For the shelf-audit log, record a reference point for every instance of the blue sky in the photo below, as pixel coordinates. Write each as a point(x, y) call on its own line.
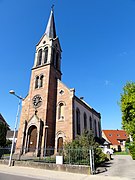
point(98, 43)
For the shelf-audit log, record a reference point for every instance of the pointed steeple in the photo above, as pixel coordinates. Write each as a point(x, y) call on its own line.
point(50, 29)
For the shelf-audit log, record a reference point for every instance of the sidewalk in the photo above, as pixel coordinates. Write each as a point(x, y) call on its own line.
point(42, 174)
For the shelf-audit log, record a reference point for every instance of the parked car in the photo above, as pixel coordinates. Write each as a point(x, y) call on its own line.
point(107, 150)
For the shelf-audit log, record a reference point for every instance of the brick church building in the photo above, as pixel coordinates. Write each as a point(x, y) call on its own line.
point(51, 112)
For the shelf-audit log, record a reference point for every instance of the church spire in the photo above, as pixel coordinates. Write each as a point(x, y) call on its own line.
point(50, 29)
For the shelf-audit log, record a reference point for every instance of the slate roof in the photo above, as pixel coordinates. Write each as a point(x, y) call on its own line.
point(114, 136)
point(10, 134)
point(50, 29)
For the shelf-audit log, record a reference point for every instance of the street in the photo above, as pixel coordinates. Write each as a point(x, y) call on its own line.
point(4, 176)
point(28, 173)
point(120, 166)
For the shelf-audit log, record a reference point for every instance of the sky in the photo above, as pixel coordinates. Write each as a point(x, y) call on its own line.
point(98, 50)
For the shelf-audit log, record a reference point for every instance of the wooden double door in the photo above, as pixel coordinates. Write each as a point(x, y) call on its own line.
point(32, 138)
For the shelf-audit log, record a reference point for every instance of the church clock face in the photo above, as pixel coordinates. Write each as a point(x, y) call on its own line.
point(37, 101)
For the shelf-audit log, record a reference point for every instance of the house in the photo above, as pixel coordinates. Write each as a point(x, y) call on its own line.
point(3, 130)
point(51, 112)
point(2, 120)
point(116, 138)
point(10, 135)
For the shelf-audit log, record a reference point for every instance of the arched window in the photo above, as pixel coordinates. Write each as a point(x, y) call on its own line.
point(46, 55)
point(78, 121)
point(36, 82)
point(41, 81)
point(85, 121)
point(39, 57)
point(60, 144)
point(61, 111)
point(90, 120)
point(95, 124)
point(53, 57)
point(57, 61)
point(99, 128)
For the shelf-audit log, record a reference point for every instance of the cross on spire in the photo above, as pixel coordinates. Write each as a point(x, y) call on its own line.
point(52, 7)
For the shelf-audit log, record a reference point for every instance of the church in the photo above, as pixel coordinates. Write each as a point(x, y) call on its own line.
point(51, 112)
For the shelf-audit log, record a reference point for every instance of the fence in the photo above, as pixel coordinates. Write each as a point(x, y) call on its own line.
point(70, 156)
point(4, 153)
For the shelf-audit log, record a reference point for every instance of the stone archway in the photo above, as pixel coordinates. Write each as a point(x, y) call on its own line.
point(32, 134)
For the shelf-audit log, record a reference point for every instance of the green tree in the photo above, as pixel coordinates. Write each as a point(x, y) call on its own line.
point(81, 146)
point(3, 132)
point(8, 143)
point(127, 104)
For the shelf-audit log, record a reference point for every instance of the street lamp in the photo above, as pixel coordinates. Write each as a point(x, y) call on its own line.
point(16, 121)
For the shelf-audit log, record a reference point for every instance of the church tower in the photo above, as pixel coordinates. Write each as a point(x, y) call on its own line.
point(38, 116)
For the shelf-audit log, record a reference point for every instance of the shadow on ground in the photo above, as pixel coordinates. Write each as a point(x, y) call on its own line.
point(103, 167)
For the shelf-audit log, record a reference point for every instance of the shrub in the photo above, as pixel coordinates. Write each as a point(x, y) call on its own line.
point(77, 151)
point(132, 150)
point(3, 132)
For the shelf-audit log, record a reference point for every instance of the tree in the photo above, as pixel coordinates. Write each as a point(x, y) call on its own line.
point(3, 132)
point(127, 104)
point(8, 143)
point(81, 146)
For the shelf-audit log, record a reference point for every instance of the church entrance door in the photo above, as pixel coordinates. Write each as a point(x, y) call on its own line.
point(32, 138)
point(60, 144)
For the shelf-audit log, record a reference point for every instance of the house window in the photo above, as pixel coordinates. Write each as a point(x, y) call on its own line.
point(36, 82)
point(85, 121)
point(121, 142)
point(78, 121)
point(90, 120)
point(61, 111)
point(46, 55)
point(39, 57)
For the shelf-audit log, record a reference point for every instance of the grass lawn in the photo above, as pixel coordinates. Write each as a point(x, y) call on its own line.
point(121, 153)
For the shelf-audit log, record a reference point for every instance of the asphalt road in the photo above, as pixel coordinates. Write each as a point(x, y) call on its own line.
point(13, 177)
point(121, 166)
point(4, 176)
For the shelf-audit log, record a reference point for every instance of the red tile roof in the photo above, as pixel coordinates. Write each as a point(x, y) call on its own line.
point(115, 135)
